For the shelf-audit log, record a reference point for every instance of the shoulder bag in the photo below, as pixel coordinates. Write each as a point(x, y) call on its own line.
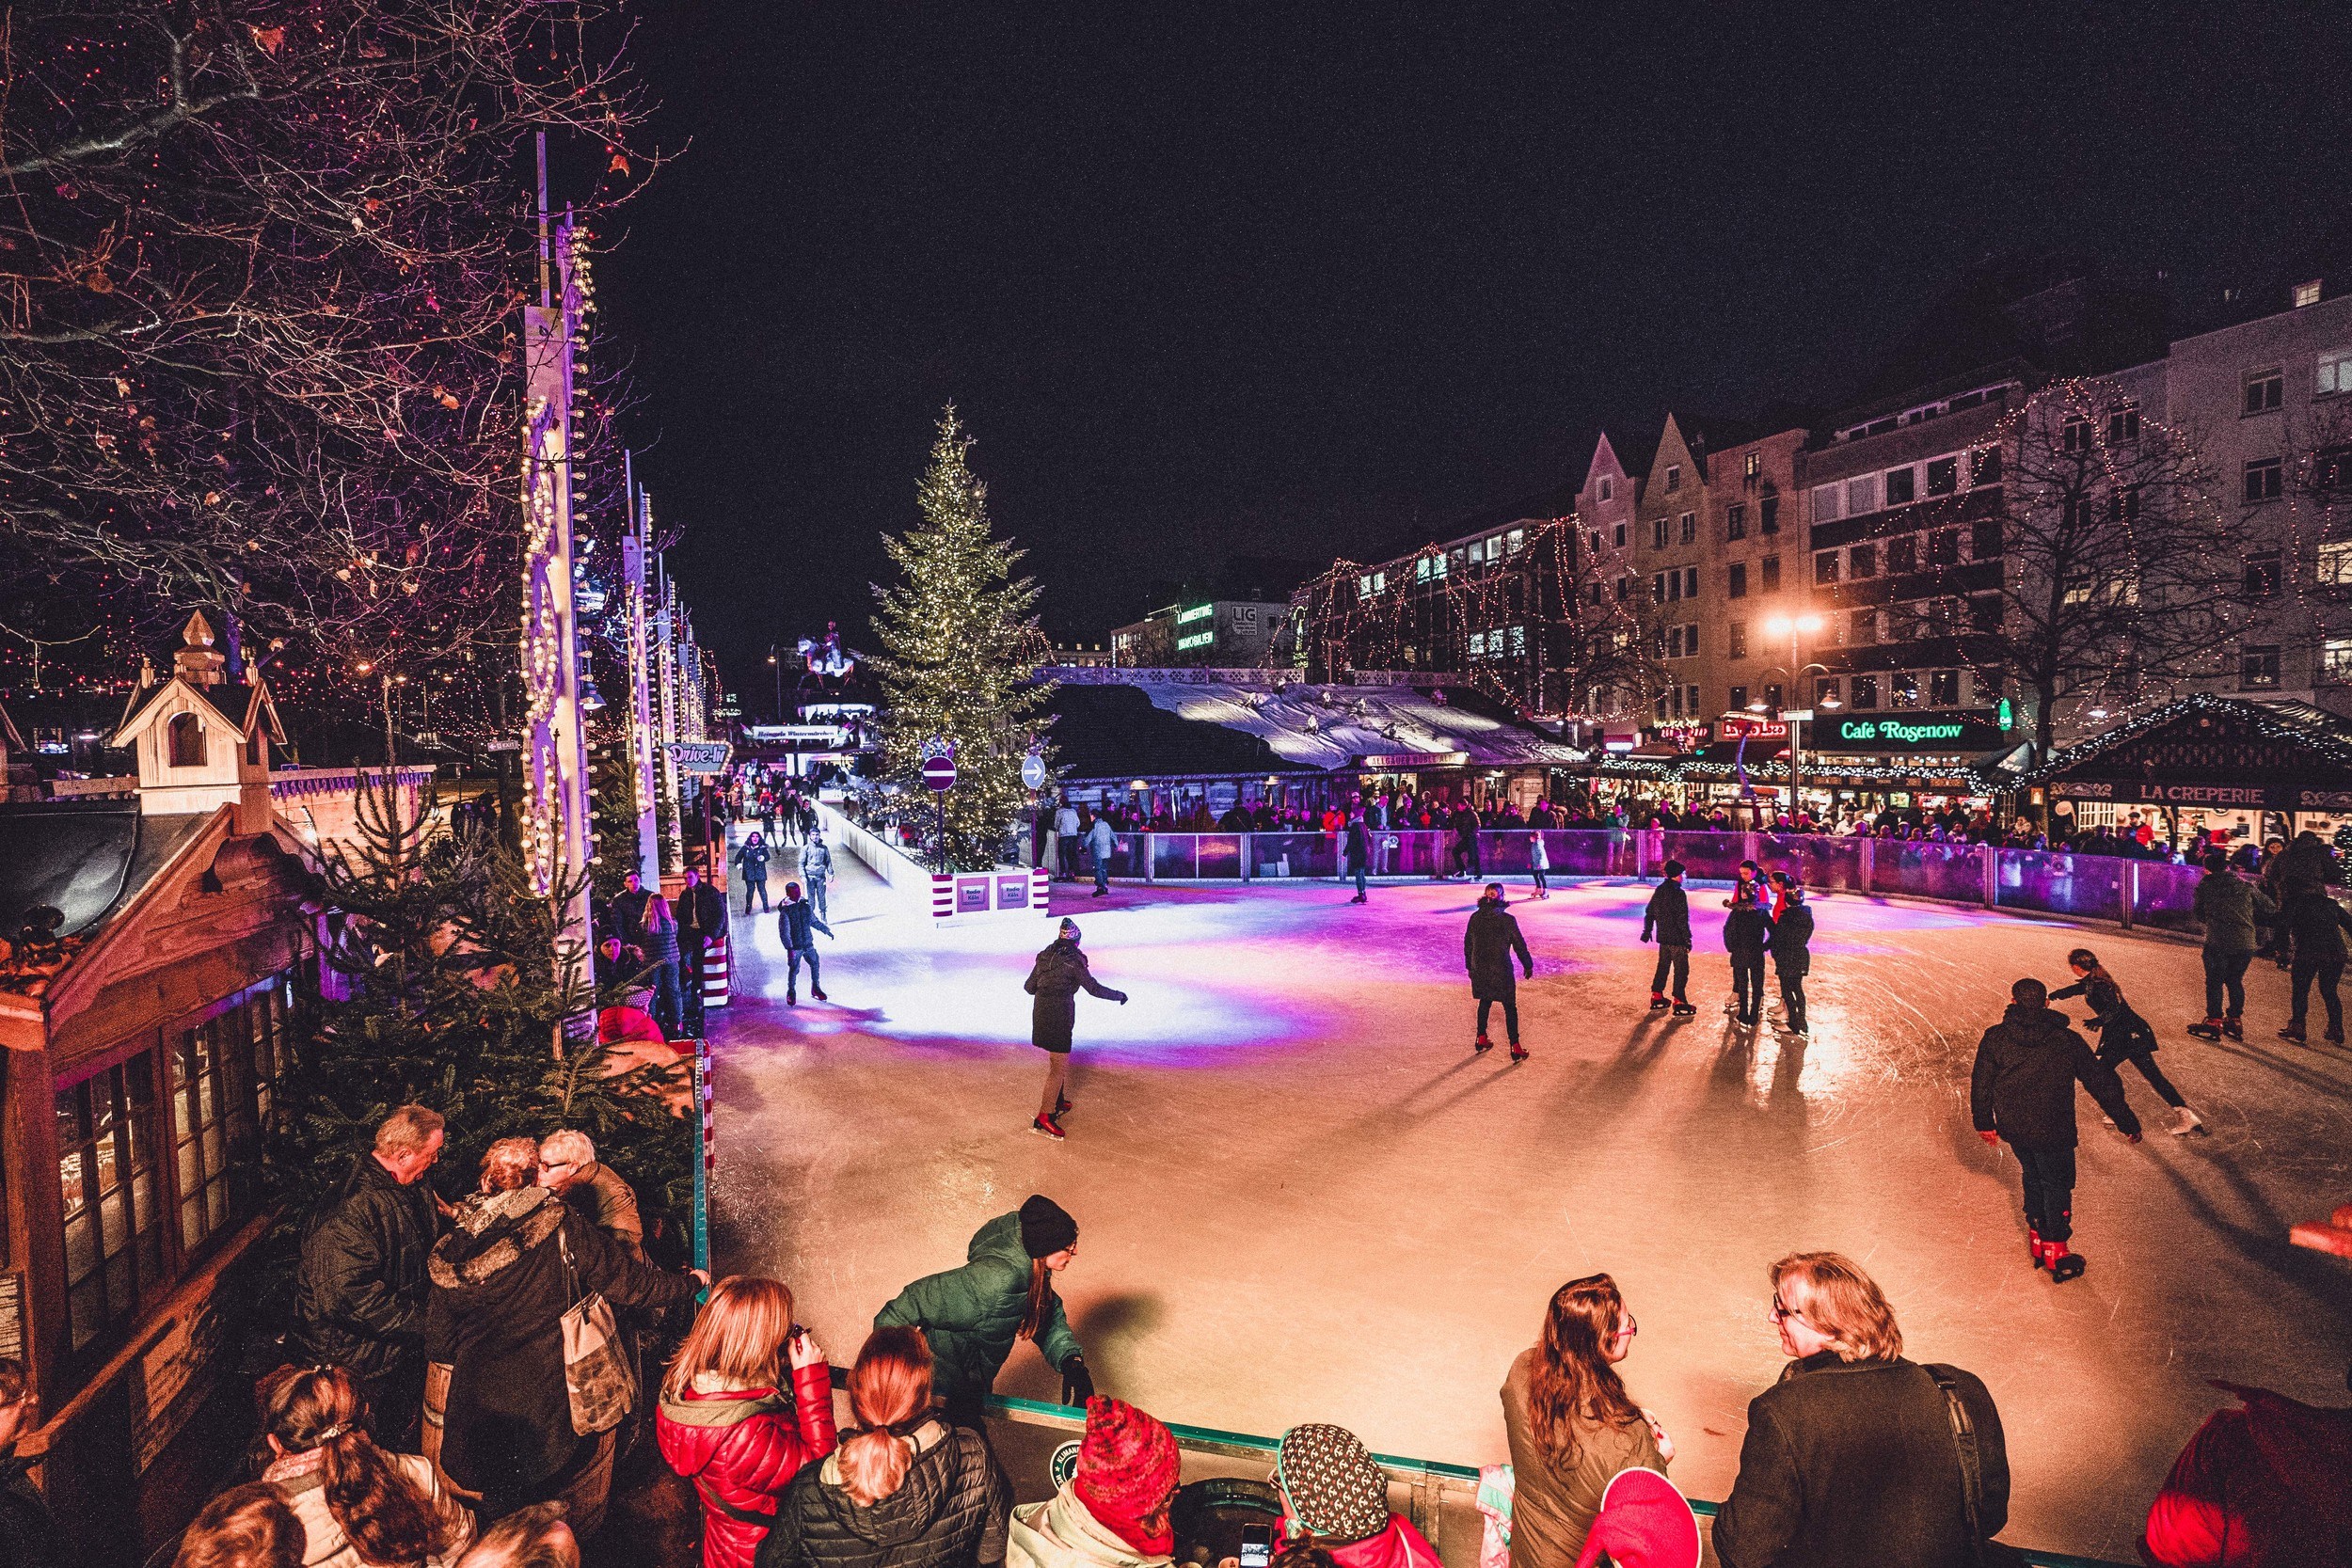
point(1984, 1551)
point(597, 1375)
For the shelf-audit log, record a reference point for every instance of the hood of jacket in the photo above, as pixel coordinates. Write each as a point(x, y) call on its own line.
point(1000, 1241)
point(1060, 1533)
point(492, 1231)
point(698, 1425)
point(2035, 1022)
point(1060, 966)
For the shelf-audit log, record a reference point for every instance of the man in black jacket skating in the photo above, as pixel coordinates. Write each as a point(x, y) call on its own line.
point(1668, 917)
point(2023, 1092)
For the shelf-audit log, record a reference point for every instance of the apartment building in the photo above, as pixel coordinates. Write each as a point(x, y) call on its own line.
point(1225, 633)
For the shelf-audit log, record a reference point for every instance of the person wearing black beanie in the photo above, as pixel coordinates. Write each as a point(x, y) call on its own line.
point(1004, 1292)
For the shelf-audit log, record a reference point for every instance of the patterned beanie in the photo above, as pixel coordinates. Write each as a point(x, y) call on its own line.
point(1127, 1464)
point(1332, 1486)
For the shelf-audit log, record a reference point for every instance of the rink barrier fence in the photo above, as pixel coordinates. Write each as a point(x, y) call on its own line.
point(2129, 893)
point(1423, 1479)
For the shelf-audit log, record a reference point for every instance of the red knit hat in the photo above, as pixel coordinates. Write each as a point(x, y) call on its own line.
point(1644, 1523)
point(1127, 1466)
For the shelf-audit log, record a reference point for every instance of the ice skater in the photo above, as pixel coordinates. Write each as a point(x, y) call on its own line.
point(1358, 843)
point(2123, 1035)
point(1059, 974)
point(1747, 932)
point(1792, 951)
point(971, 1316)
point(816, 870)
point(1489, 943)
point(1100, 841)
point(2022, 1092)
point(1668, 915)
point(2315, 924)
point(1540, 864)
point(752, 855)
point(795, 919)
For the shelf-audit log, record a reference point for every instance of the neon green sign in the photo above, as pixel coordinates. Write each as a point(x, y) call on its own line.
point(1897, 732)
point(1197, 612)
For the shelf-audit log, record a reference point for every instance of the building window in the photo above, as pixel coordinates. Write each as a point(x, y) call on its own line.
point(2335, 563)
point(1690, 529)
point(1944, 547)
point(1690, 582)
point(1617, 535)
point(1865, 691)
point(1825, 691)
point(1363, 586)
point(1736, 521)
point(1863, 560)
point(1690, 700)
point(1903, 555)
point(2258, 666)
point(1691, 641)
point(1943, 476)
point(2124, 423)
point(2335, 372)
point(2265, 390)
point(1901, 486)
point(1593, 594)
point(1740, 577)
point(2307, 293)
point(1825, 566)
point(185, 739)
point(1752, 470)
point(1944, 689)
point(1608, 487)
point(1421, 570)
point(1477, 551)
point(1768, 514)
point(1736, 641)
point(1456, 558)
point(1826, 498)
point(1862, 627)
point(1984, 613)
point(2262, 574)
point(1596, 546)
point(2074, 434)
point(114, 1239)
point(1624, 588)
point(1658, 586)
point(1771, 696)
point(1768, 574)
point(1674, 478)
point(1519, 640)
point(1902, 690)
point(1984, 466)
point(1738, 700)
point(1515, 541)
point(1862, 495)
point(2265, 478)
point(1478, 644)
point(2123, 505)
point(1658, 533)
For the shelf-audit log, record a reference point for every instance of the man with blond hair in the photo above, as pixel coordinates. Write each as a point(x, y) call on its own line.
point(1858, 1455)
point(359, 1287)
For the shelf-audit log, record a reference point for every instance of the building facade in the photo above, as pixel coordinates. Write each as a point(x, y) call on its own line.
point(1224, 633)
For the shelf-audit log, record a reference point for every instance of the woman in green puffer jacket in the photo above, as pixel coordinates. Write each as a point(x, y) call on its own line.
point(1005, 1291)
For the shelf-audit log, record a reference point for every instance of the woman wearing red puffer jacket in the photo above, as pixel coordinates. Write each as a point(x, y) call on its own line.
point(726, 1425)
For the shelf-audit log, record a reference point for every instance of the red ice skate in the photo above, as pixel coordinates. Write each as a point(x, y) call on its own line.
point(2209, 1030)
point(2064, 1265)
point(1519, 1052)
point(1482, 1043)
point(1048, 1126)
point(2034, 1243)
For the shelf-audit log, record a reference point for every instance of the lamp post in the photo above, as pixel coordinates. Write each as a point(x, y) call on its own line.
point(1794, 628)
point(777, 665)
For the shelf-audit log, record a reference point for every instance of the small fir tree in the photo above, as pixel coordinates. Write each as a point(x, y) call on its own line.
point(956, 630)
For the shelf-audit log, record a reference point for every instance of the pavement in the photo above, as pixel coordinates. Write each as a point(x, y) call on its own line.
point(1301, 1198)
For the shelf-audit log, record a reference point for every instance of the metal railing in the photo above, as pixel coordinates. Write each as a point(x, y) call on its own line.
point(2130, 893)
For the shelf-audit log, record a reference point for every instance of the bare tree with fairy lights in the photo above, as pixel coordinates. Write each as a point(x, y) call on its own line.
point(260, 266)
point(2119, 567)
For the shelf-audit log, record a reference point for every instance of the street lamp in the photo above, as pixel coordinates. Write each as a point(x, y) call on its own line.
point(1794, 628)
point(776, 664)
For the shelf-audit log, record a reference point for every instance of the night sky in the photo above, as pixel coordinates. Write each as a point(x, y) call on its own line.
point(1216, 282)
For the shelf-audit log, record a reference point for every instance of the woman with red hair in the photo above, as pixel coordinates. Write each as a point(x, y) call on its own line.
point(729, 1423)
point(904, 1488)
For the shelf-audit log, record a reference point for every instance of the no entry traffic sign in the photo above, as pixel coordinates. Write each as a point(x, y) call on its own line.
point(939, 766)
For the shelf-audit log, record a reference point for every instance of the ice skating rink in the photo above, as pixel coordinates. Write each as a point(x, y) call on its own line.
point(1302, 1198)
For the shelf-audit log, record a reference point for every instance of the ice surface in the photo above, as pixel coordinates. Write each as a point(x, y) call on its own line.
point(1302, 1198)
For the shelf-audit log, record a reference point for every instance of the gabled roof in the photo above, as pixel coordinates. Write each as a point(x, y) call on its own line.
point(1671, 450)
point(2252, 744)
point(85, 859)
point(145, 708)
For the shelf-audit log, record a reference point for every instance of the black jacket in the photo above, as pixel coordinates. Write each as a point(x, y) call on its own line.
point(1489, 943)
point(796, 920)
point(1792, 938)
point(359, 1287)
point(628, 915)
point(1668, 915)
point(2024, 1084)
point(1854, 1465)
point(1358, 844)
point(500, 1291)
point(702, 914)
point(948, 1512)
point(29, 1537)
point(2317, 923)
point(2123, 1032)
point(1747, 932)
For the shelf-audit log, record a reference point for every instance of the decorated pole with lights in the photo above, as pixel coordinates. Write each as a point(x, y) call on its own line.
point(555, 767)
point(641, 741)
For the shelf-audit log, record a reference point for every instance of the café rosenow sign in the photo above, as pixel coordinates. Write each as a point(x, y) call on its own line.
point(1904, 734)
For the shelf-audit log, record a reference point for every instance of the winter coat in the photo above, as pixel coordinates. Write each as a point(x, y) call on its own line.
point(795, 921)
point(739, 1449)
point(2307, 859)
point(1538, 858)
point(1551, 1512)
point(1854, 1465)
point(1747, 932)
point(971, 1315)
point(816, 863)
point(1056, 979)
point(949, 1512)
point(1792, 937)
point(605, 1199)
point(2123, 1032)
point(660, 947)
point(752, 858)
point(2228, 906)
point(1668, 915)
point(1359, 843)
point(500, 1291)
point(1066, 822)
point(302, 1482)
point(1489, 943)
point(1060, 1533)
point(1400, 1545)
point(360, 1289)
point(2318, 924)
point(628, 915)
point(2024, 1084)
point(29, 1536)
point(702, 914)
point(1101, 841)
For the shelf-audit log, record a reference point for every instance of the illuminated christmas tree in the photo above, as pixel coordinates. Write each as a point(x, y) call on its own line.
point(956, 627)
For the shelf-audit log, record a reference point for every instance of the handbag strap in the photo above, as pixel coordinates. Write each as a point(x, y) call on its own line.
point(1971, 1463)
point(571, 1277)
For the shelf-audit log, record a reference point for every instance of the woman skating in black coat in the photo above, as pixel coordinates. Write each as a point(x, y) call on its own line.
point(1747, 932)
point(2123, 1035)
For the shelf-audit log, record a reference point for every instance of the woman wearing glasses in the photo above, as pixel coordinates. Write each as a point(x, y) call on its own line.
point(1571, 1423)
point(1856, 1455)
